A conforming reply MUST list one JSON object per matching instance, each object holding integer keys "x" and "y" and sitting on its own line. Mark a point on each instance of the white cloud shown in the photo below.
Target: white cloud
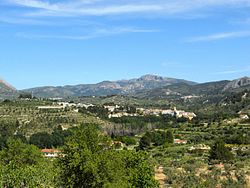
{"x": 95, "y": 34}
{"x": 220, "y": 36}
{"x": 31, "y": 12}
{"x": 24, "y": 21}
{"x": 35, "y": 4}
{"x": 235, "y": 71}
{"x": 110, "y": 7}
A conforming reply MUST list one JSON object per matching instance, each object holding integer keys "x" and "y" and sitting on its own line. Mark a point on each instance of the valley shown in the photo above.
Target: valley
{"x": 179, "y": 132}
{"x": 125, "y": 94}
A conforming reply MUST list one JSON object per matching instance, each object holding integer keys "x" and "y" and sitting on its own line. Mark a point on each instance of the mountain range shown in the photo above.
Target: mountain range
{"x": 203, "y": 89}
{"x": 121, "y": 87}
{"x": 148, "y": 86}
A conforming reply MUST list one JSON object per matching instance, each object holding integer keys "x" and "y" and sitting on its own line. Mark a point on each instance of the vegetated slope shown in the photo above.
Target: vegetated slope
{"x": 32, "y": 120}
{"x": 199, "y": 90}
{"x": 180, "y": 90}
{"x": 108, "y": 87}
{"x": 6, "y": 90}
{"x": 205, "y": 99}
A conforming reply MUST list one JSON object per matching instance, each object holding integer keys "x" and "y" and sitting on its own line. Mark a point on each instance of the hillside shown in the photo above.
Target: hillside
{"x": 181, "y": 90}
{"x": 6, "y": 90}
{"x": 238, "y": 83}
{"x": 108, "y": 87}
{"x": 198, "y": 90}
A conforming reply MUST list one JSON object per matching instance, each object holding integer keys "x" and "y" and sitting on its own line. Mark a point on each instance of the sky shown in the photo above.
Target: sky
{"x": 67, "y": 42}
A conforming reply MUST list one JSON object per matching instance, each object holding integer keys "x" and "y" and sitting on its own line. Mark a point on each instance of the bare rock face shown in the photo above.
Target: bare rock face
{"x": 241, "y": 82}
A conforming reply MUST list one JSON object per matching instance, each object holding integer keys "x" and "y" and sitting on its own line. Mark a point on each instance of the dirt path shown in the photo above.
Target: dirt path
{"x": 160, "y": 176}
{"x": 248, "y": 181}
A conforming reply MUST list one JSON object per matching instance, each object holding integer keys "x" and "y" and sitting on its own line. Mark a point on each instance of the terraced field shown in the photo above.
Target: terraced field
{"x": 31, "y": 119}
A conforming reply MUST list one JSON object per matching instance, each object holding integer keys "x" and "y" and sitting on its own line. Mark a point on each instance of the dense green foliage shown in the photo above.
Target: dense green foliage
{"x": 25, "y": 96}
{"x": 220, "y": 152}
{"x": 22, "y": 165}
{"x": 97, "y": 110}
{"x": 46, "y": 140}
{"x": 128, "y": 140}
{"x": 156, "y": 138}
{"x": 90, "y": 162}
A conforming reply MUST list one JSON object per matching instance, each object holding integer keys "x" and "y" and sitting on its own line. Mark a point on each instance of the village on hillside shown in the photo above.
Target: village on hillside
{"x": 116, "y": 111}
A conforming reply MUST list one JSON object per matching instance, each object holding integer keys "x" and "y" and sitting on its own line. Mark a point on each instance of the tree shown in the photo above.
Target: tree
{"x": 25, "y": 96}
{"x": 22, "y": 165}
{"x": 20, "y": 137}
{"x": 22, "y": 154}
{"x": 90, "y": 162}
{"x": 8, "y": 127}
{"x": 169, "y": 137}
{"x": 42, "y": 140}
{"x": 86, "y": 161}
{"x": 145, "y": 141}
{"x": 128, "y": 140}
{"x": 220, "y": 152}
{"x": 140, "y": 172}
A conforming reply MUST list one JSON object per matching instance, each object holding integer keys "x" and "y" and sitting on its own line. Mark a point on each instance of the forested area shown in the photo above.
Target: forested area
{"x": 87, "y": 160}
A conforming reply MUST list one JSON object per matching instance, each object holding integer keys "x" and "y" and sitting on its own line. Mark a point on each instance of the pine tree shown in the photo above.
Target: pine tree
{"x": 220, "y": 152}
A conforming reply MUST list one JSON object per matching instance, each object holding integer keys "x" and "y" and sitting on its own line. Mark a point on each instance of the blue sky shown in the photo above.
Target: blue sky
{"x": 61, "y": 42}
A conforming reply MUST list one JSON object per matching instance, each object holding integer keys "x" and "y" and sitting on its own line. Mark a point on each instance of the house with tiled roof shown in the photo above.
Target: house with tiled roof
{"x": 51, "y": 153}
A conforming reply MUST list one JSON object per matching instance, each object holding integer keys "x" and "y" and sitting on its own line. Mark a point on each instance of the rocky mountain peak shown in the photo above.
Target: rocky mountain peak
{"x": 150, "y": 77}
{"x": 241, "y": 82}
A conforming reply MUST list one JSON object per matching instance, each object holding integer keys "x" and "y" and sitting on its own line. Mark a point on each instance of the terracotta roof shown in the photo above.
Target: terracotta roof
{"x": 50, "y": 151}
{"x": 180, "y": 141}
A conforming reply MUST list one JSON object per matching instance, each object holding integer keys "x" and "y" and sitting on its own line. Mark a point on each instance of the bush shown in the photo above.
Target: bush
{"x": 220, "y": 152}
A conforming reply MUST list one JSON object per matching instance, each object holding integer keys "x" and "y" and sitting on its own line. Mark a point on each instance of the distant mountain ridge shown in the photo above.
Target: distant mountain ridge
{"x": 203, "y": 89}
{"x": 147, "y": 86}
{"x": 108, "y": 87}
{"x": 238, "y": 83}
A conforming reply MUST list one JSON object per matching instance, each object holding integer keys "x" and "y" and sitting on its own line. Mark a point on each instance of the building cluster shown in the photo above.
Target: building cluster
{"x": 157, "y": 112}
{"x": 112, "y": 108}
{"x": 121, "y": 114}
{"x": 188, "y": 115}
{"x": 78, "y": 105}
{"x": 200, "y": 147}
{"x": 116, "y": 111}
{"x": 63, "y": 105}
{"x": 179, "y": 141}
{"x": 244, "y": 116}
{"x": 175, "y": 112}
{"x": 189, "y": 97}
